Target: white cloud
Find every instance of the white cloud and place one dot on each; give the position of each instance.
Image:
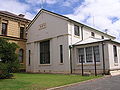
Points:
(13, 6)
(41, 1)
(16, 7)
(102, 11)
(69, 3)
(29, 15)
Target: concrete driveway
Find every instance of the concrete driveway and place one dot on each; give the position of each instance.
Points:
(108, 83)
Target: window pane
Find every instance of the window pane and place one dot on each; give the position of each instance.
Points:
(45, 52)
(92, 34)
(21, 55)
(21, 32)
(89, 54)
(115, 54)
(96, 53)
(61, 54)
(76, 30)
(4, 28)
(81, 55)
(29, 52)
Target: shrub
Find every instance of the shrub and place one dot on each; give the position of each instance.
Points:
(9, 59)
(4, 73)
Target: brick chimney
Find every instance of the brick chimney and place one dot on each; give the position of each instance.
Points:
(21, 15)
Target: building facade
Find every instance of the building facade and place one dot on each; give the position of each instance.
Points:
(57, 44)
(13, 28)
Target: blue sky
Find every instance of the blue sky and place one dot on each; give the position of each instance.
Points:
(100, 14)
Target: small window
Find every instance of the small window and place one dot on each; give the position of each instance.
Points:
(29, 55)
(102, 37)
(45, 52)
(21, 32)
(92, 34)
(4, 29)
(61, 54)
(21, 52)
(76, 30)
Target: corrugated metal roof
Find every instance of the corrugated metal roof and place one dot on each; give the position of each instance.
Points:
(90, 40)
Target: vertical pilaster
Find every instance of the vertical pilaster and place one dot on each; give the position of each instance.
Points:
(0, 25)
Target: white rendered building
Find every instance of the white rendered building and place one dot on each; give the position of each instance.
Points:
(57, 44)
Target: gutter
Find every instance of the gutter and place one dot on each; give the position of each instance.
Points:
(70, 47)
(103, 58)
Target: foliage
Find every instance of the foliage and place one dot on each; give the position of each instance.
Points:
(9, 59)
(4, 72)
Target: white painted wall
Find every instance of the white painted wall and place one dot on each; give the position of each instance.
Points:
(54, 27)
(113, 65)
(57, 32)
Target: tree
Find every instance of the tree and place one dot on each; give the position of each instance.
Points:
(9, 59)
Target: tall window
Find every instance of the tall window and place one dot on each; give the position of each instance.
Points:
(92, 34)
(96, 53)
(21, 32)
(81, 55)
(29, 55)
(76, 30)
(45, 52)
(89, 54)
(21, 52)
(115, 53)
(61, 54)
(4, 29)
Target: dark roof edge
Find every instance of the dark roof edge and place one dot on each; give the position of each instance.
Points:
(93, 42)
(16, 17)
(67, 19)
(108, 40)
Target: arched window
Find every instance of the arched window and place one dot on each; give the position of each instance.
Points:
(21, 52)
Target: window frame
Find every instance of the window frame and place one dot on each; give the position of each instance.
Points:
(22, 32)
(76, 30)
(81, 54)
(2, 31)
(45, 52)
(85, 57)
(29, 57)
(115, 54)
(92, 34)
(96, 53)
(21, 51)
(61, 53)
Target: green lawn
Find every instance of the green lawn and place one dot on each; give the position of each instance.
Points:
(24, 81)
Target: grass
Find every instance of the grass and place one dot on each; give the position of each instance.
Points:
(24, 81)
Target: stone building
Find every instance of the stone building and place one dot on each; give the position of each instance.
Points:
(13, 28)
(57, 44)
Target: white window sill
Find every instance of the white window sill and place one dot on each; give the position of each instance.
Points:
(116, 64)
(88, 64)
(76, 36)
(45, 65)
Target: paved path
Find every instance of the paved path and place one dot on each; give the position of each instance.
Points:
(109, 83)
